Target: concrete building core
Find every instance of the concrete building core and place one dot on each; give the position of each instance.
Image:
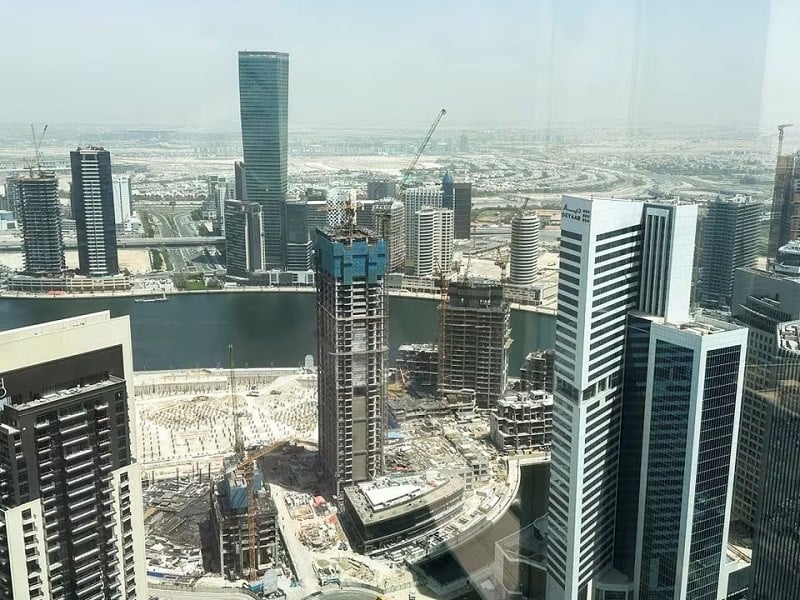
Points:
(536, 372)
(473, 351)
(351, 353)
(522, 421)
(229, 524)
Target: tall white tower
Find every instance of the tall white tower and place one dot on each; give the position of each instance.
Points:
(524, 249)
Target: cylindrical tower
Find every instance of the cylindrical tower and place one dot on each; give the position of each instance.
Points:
(524, 249)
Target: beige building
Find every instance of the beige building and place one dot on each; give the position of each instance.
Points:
(70, 492)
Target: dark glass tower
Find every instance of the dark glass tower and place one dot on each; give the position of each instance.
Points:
(776, 548)
(93, 211)
(264, 107)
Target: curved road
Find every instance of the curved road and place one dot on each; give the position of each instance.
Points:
(231, 593)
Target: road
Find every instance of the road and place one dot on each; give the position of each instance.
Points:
(194, 594)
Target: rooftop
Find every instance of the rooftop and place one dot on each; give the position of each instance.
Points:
(71, 392)
(789, 336)
(391, 496)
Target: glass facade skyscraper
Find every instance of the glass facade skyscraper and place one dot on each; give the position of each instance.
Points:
(264, 107)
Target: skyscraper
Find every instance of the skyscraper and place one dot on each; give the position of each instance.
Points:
(240, 188)
(39, 212)
(475, 338)
(776, 547)
(432, 247)
(785, 215)
(448, 191)
(414, 200)
(93, 211)
(691, 419)
(264, 107)
(244, 238)
(351, 353)
(70, 492)
(380, 189)
(458, 198)
(299, 247)
(12, 195)
(730, 233)
(462, 210)
(615, 256)
(524, 249)
(390, 223)
(761, 301)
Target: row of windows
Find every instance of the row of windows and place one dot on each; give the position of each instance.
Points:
(617, 232)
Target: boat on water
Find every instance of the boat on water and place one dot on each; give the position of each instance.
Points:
(162, 298)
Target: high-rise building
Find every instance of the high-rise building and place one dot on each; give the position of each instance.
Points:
(380, 189)
(462, 211)
(12, 195)
(39, 213)
(414, 200)
(239, 188)
(264, 108)
(787, 263)
(351, 353)
(244, 238)
(615, 256)
(93, 211)
(776, 546)
(432, 247)
(730, 241)
(692, 411)
(524, 249)
(122, 198)
(71, 521)
(761, 301)
(299, 247)
(390, 224)
(475, 338)
(784, 223)
(448, 191)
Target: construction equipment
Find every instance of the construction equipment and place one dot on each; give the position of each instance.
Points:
(420, 150)
(781, 129)
(36, 146)
(501, 260)
(444, 284)
(246, 467)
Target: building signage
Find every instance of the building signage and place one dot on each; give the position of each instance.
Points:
(575, 214)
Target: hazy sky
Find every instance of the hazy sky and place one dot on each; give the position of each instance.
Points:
(492, 63)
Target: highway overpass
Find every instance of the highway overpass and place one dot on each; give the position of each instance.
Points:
(15, 245)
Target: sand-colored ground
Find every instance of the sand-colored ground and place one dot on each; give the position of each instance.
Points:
(137, 260)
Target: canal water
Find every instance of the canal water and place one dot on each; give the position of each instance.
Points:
(266, 329)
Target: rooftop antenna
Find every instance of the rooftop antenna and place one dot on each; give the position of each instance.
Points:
(36, 146)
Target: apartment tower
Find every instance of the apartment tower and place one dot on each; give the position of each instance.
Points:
(70, 494)
(93, 209)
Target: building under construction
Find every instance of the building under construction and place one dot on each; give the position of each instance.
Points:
(474, 339)
(536, 372)
(231, 528)
(351, 350)
(39, 213)
(418, 365)
(522, 421)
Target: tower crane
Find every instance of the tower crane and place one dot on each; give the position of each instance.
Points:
(501, 260)
(420, 150)
(36, 146)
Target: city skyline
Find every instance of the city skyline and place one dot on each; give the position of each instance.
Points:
(532, 60)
